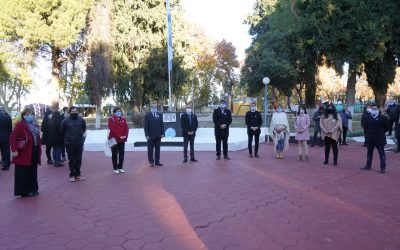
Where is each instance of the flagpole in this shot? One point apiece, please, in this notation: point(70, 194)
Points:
point(170, 55)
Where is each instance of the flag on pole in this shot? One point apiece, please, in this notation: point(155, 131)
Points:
point(169, 26)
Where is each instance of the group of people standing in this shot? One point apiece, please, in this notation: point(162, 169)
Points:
point(67, 130)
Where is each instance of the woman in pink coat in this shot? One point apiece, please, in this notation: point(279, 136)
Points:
point(302, 136)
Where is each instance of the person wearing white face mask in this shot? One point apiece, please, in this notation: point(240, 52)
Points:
point(302, 136)
point(280, 131)
point(253, 122)
point(367, 110)
point(222, 119)
point(154, 132)
point(119, 131)
point(189, 125)
point(376, 126)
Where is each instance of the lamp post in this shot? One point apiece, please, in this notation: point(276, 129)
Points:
point(266, 81)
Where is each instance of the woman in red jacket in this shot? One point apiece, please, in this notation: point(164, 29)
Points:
point(26, 151)
point(118, 130)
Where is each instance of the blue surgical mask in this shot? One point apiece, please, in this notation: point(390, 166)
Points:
point(118, 113)
point(222, 105)
point(279, 110)
point(29, 118)
point(374, 112)
point(253, 108)
point(189, 111)
point(153, 109)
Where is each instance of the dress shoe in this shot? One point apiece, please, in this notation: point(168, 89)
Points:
point(326, 162)
point(227, 158)
point(365, 168)
point(159, 164)
point(152, 165)
point(218, 157)
point(335, 163)
point(256, 155)
point(193, 160)
point(50, 162)
point(5, 168)
point(313, 145)
point(250, 156)
point(345, 144)
point(32, 194)
point(184, 160)
point(382, 171)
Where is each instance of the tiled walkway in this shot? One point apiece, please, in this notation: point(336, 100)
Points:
point(243, 203)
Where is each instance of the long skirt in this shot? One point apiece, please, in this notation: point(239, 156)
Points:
point(26, 176)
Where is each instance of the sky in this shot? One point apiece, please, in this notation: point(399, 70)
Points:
point(222, 19)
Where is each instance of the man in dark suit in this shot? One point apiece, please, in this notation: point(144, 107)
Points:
point(5, 132)
point(189, 125)
point(376, 126)
point(154, 131)
point(253, 123)
point(222, 118)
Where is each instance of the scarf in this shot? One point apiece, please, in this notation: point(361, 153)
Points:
point(35, 132)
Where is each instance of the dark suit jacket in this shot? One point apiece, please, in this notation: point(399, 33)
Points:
point(5, 127)
point(222, 117)
point(376, 129)
point(253, 119)
point(187, 126)
point(153, 127)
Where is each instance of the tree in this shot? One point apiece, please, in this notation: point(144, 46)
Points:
point(47, 26)
point(15, 80)
point(99, 48)
point(226, 63)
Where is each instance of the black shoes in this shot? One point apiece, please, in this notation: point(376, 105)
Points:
point(382, 171)
point(5, 168)
point(256, 155)
point(184, 160)
point(50, 162)
point(159, 164)
point(365, 168)
point(31, 194)
point(335, 163)
point(227, 158)
point(193, 160)
point(326, 162)
point(250, 156)
point(218, 157)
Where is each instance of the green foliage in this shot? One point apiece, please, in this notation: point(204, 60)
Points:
point(226, 63)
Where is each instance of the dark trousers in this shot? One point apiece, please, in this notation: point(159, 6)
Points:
point(365, 137)
point(316, 132)
point(5, 153)
point(74, 152)
point(186, 141)
point(331, 143)
point(26, 176)
point(57, 151)
point(250, 142)
point(224, 140)
point(63, 153)
point(48, 152)
point(118, 153)
point(381, 151)
point(153, 145)
point(398, 135)
point(343, 141)
point(391, 122)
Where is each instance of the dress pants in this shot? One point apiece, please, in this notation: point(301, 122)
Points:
point(224, 140)
point(118, 153)
point(381, 151)
point(153, 145)
point(48, 152)
point(74, 152)
point(250, 142)
point(329, 142)
point(5, 153)
point(186, 141)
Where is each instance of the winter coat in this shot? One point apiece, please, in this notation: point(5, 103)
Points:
point(55, 136)
point(376, 129)
point(301, 126)
point(253, 119)
point(118, 128)
point(73, 130)
point(22, 131)
point(5, 127)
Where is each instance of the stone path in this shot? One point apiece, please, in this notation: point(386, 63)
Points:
point(243, 203)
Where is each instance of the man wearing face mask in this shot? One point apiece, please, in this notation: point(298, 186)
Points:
point(189, 125)
point(119, 131)
point(73, 128)
point(367, 110)
point(253, 122)
point(154, 132)
point(222, 119)
point(376, 126)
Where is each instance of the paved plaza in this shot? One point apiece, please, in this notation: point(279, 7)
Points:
point(243, 203)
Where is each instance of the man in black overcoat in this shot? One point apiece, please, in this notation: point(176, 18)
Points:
point(253, 123)
point(189, 125)
point(222, 119)
point(5, 132)
point(154, 132)
point(376, 125)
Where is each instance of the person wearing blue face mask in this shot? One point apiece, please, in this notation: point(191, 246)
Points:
point(119, 130)
point(376, 126)
point(222, 119)
point(26, 154)
point(253, 122)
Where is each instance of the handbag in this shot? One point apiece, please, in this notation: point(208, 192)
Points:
point(22, 142)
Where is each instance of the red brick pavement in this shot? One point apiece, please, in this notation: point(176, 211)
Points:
point(243, 203)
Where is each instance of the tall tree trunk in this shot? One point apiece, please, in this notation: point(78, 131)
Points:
point(98, 116)
point(380, 96)
point(311, 85)
point(351, 92)
point(55, 78)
